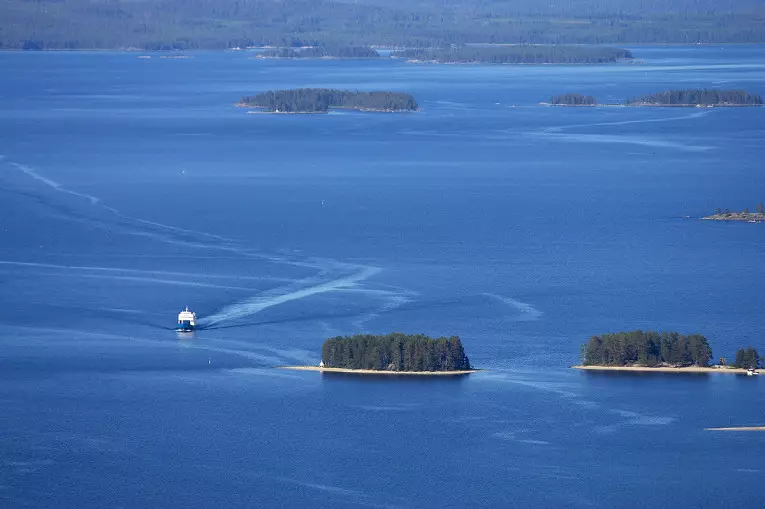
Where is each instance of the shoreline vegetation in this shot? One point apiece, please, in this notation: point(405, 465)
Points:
point(689, 98)
point(670, 369)
point(665, 352)
point(745, 215)
point(380, 371)
point(321, 100)
point(394, 353)
point(519, 54)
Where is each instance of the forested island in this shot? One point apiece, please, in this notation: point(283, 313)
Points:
point(745, 215)
point(204, 24)
point(394, 353)
point(517, 54)
point(678, 98)
point(697, 97)
point(320, 100)
point(573, 100)
point(659, 351)
point(327, 52)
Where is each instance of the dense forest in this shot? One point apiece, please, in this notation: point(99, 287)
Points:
point(573, 100)
point(320, 100)
point(698, 96)
point(519, 54)
point(747, 358)
point(218, 24)
point(646, 349)
point(322, 52)
point(395, 352)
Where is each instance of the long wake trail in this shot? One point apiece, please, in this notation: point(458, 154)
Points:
point(331, 275)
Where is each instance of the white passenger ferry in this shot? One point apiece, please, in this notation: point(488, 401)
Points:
point(187, 320)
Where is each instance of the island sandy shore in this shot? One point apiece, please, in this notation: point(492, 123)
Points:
point(738, 428)
point(376, 372)
point(667, 369)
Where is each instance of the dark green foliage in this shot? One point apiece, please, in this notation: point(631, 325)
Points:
point(521, 54)
point(573, 100)
point(395, 352)
point(747, 358)
point(217, 24)
point(647, 349)
point(311, 100)
point(32, 45)
point(700, 96)
point(323, 52)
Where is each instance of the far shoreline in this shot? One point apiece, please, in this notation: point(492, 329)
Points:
point(669, 369)
point(379, 372)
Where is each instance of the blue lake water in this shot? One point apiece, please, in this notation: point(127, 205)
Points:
point(130, 188)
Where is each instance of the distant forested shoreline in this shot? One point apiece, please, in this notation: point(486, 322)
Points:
point(518, 54)
point(687, 97)
point(221, 24)
point(320, 100)
point(395, 352)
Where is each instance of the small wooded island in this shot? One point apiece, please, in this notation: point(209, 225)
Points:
point(517, 54)
point(660, 352)
point(321, 100)
point(392, 354)
point(696, 98)
point(745, 215)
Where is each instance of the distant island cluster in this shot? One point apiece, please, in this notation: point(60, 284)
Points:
point(675, 98)
point(395, 353)
point(321, 100)
point(750, 217)
point(659, 351)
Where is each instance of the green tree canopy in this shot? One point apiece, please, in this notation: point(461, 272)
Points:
point(647, 349)
point(747, 358)
point(395, 352)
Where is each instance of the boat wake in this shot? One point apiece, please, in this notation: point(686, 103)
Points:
point(278, 296)
point(329, 275)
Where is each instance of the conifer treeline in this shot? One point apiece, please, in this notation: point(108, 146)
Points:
point(688, 97)
point(521, 54)
point(310, 100)
point(395, 352)
point(699, 96)
point(646, 349)
point(573, 100)
point(747, 358)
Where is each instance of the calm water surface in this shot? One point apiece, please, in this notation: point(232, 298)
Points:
point(130, 188)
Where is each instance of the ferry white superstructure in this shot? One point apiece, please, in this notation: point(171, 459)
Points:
point(187, 320)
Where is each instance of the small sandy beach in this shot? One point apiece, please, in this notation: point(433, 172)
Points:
point(739, 428)
point(668, 369)
point(376, 372)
